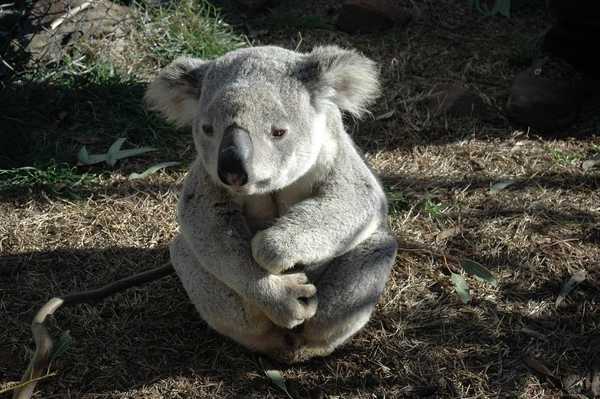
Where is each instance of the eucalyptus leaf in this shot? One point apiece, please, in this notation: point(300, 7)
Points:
point(461, 287)
point(151, 170)
point(386, 115)
point(132, 152)
point(276, 378)
point(479, 271)
point(567, 287)
point(501, 186)
point(112, 153)
point(86, 158)
point(590, 164)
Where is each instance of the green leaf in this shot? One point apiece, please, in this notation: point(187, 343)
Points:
point(567, 287)
point(133, 152)
point(85, 158)
point(479, 271)
point(461, 287)
point(115, 153)
point(61, 346)
point(151, 170)
point(276, 378)
point(112, 153)
point(501, 186)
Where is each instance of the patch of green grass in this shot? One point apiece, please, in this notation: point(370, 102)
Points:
point(53, 177)
point(52, 116)
point(564, 158)
point(398, 202)
point(434, 209)
point(187, 27)
point(50, 111)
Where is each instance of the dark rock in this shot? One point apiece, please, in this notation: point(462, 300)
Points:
point(459, 101)
point(371, 16)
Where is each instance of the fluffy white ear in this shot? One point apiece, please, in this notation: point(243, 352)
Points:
point(176, 90)
point(342, 77)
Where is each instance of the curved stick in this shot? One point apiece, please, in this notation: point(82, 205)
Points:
point(43, 341)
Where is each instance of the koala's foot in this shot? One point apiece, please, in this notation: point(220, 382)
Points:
point(348, 291)
point(296, 350)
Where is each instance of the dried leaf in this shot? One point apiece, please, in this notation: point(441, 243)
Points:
point(151, 170)
point(570, 285)
point(501, 186)
point(590, 164)
point(479, 271)
point(461, 287)
point(386, 115)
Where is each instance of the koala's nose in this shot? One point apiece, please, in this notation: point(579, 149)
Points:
point(234, 155)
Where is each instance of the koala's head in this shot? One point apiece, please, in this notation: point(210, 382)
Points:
point(259, 115)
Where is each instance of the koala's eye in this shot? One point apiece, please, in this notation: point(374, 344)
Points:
point(207, 129)
point(275, 132)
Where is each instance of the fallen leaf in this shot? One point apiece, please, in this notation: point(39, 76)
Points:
point(151, 170)
point(276, 378)
point(111, 154)
point(86, 158)
point(479, 271)
point(501, 186)
point(386, 115)
point(590, 164)
point(461, 287)
point(567, 287)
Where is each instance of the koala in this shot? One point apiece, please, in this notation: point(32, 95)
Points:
point(283, 243)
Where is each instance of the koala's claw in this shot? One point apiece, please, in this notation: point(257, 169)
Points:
point(288, 299)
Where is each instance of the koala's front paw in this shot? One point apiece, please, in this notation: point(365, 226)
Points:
point(287, 299)
point(271, 252)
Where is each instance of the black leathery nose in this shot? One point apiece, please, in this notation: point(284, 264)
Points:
point(235, 152)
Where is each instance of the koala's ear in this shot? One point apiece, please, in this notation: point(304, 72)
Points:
point(176, 90)
point(342, 77)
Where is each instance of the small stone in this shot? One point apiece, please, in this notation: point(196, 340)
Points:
point(459, 101)
point(371, 16)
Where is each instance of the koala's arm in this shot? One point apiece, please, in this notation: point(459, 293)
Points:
point(345, 210)
point(216, 233)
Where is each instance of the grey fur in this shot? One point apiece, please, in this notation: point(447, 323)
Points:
point(305, 242)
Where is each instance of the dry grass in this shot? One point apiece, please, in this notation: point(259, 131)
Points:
point(423, 341)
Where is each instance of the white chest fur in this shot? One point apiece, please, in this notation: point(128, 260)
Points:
point(262, 210)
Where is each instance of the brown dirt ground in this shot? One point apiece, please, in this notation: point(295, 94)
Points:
point(423, 341)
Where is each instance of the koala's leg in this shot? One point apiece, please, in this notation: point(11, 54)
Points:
point(224, 310)
point(348, 290)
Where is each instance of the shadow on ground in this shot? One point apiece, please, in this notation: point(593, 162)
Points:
point(153, 333)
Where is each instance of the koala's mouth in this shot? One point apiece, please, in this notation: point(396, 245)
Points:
point(259, 187)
